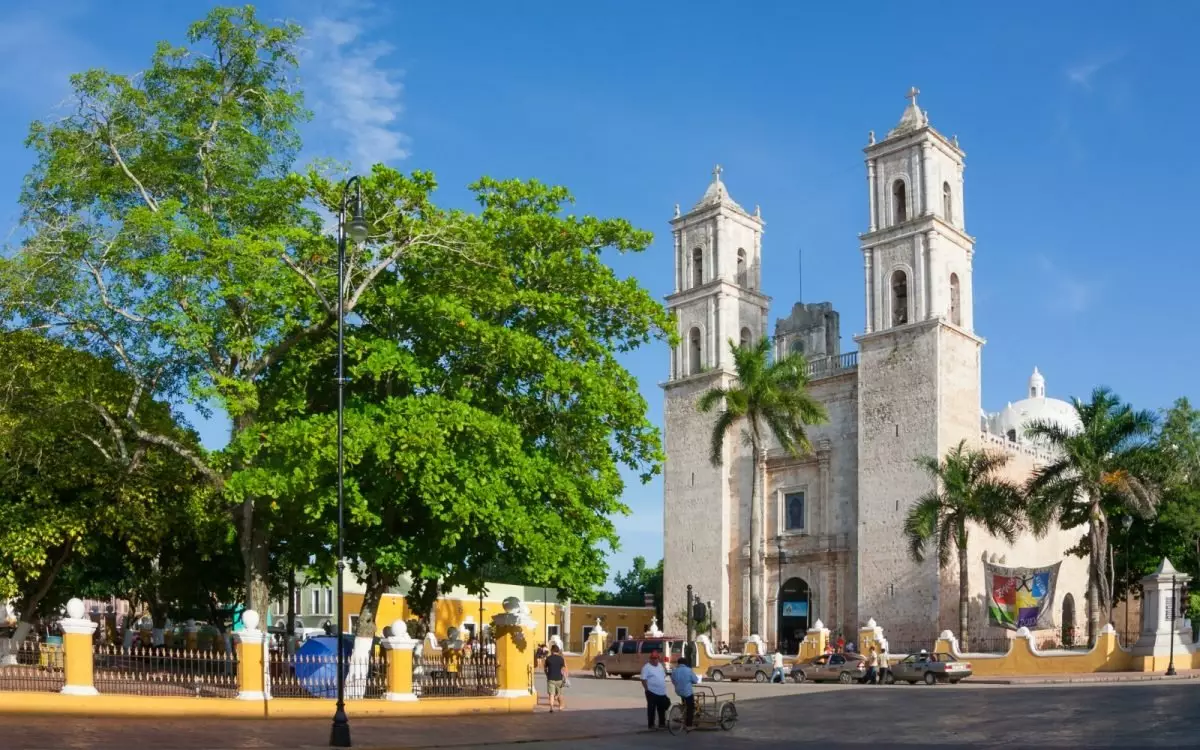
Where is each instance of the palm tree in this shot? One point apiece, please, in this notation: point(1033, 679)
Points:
point(769, 397)
point(1106, 463)
point(967, 491)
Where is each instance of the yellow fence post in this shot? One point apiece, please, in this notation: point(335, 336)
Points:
point(514, 650)
point(77, 633)
point(399, 663)
point(251, 653)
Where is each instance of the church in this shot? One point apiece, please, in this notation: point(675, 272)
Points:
point(831, 546)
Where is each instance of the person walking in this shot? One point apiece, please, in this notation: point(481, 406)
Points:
point(556, 677)
point(872, 666)
point(885, 664)
point(683, 678)
point(777, 667)
point(654, 682)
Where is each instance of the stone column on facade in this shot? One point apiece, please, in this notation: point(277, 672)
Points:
point(399, 647)
point(926, 204)
point(921, 285)
point(707, 269)
point(718, 236)
point(710, 340)
point(870, 292)
point(756, 270)
point(823, 450)
point(77, 630)
point(679, 260)
point(933, 304)
point(718, 349)
point(872, 199)
point(251, 645)
point(515, 630)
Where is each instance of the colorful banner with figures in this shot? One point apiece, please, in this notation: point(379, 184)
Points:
point(1021, 597)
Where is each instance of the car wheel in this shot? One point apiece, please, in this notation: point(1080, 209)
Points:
point(889, 679)
point(845, 678)
point(717, 675)
point(599, 672)
point(760, 676)
point(798, 677)
point(930, 678)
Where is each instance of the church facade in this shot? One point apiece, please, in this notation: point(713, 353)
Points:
point(831, 544)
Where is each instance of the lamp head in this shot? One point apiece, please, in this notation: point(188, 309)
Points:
point(356, 228)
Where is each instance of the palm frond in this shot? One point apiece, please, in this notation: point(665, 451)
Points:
point(921, 524)
point(725, 421)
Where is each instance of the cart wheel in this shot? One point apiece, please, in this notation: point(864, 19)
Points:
point(599, 672)
point(760, 676)
point(675, 719)
point(728, 716)
point(717, 675)
point(930, 678)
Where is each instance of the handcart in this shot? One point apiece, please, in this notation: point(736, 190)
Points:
point(713, 710)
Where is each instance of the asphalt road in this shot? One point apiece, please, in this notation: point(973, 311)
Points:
point(1059, 716)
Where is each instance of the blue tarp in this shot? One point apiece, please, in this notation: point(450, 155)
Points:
point(316, 664)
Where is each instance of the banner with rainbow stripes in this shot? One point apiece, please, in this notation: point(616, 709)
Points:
point(1021, 597)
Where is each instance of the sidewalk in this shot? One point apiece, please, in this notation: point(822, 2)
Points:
point(1087, 678)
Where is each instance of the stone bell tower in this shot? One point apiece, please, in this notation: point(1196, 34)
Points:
point(919, 389)
point(717, 299)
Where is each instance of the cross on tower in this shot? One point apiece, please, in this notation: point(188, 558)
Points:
point(912, 95)
point(717, 173)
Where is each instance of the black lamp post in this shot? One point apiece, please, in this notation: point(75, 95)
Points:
point(356, 229)
point(1173, 613)
point(1127, 524)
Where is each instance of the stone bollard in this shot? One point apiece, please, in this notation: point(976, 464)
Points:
point(755, 646)
point(596, 642)
point(399, 649)
point(869, 637)
point(946, 643)
point(514, 650)
point(251, 653)
point(77, 633)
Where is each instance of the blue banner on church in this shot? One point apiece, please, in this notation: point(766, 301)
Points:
point(795, 609)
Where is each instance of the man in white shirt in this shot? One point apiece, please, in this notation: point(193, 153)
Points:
point(654, 681)
point(777, 667)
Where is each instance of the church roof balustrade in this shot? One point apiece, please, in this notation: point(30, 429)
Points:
point(827, 367)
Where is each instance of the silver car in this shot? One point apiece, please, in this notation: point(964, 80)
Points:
point(843, 668)
point(754, 668)
point(930, 669)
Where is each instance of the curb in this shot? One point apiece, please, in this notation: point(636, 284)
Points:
point(1082, 680)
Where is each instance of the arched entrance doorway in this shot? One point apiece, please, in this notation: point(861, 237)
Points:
point(794, 611)
point(1068, 620)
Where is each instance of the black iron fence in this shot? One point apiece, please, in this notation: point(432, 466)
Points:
point(453, 673)
point(164, 671)
point(315, 675)
point(31, 666)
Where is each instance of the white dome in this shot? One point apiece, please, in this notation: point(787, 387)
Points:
point(1012, 421)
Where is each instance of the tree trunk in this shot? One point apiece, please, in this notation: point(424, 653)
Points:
point(1101, 600)
point(253, 545)
point(756, 529)
point(364, 636)
point(291, 606)
point(964, 593)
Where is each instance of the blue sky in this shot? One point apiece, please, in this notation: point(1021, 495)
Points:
point(1074, 117)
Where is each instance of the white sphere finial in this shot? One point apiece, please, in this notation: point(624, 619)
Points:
point(399, 629)
point(512, 605)
point(75, 608)
point(250, 619)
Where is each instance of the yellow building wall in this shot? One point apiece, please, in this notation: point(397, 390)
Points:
point(635, 619)
point(447, 612)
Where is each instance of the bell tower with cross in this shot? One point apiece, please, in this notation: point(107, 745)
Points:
point(919, 357)
point(717, 301)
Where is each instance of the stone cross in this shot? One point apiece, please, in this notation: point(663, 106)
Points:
point(717, 173)
point(912, 94)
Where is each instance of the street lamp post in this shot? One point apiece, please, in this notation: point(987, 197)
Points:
point(1174, 611)
point(356, 228)
point(1127, 524)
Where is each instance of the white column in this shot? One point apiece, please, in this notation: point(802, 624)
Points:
point(870, 292)
point(872, 194)
point(920, 289)
point(711, 318)
point(934, 305)
point(926, 147)
point(679, 260)
point(716, 252)
point(710, 249)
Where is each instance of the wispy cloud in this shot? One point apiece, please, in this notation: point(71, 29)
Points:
point(1066, 291)
point(354, 89)
point(1086, 73)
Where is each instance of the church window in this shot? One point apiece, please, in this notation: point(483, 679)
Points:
point(899, 201)
point(955, 304)
point(947, 202)
point(745, 339)
point(797, 346)
point(694, 352)
point(741, 267)
point(697, 267)
point(899, 298)
point(1012, 436)
point(793, 511)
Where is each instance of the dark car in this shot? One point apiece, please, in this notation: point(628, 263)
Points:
point(843, 668)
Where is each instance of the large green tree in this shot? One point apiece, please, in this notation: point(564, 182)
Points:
point(967, 492)
point(769, 398)
point(633, 585)
point(488, 416)
point(1106, 466)
point(166, 231)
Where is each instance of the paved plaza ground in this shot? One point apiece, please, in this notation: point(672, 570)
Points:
point(609, 714)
